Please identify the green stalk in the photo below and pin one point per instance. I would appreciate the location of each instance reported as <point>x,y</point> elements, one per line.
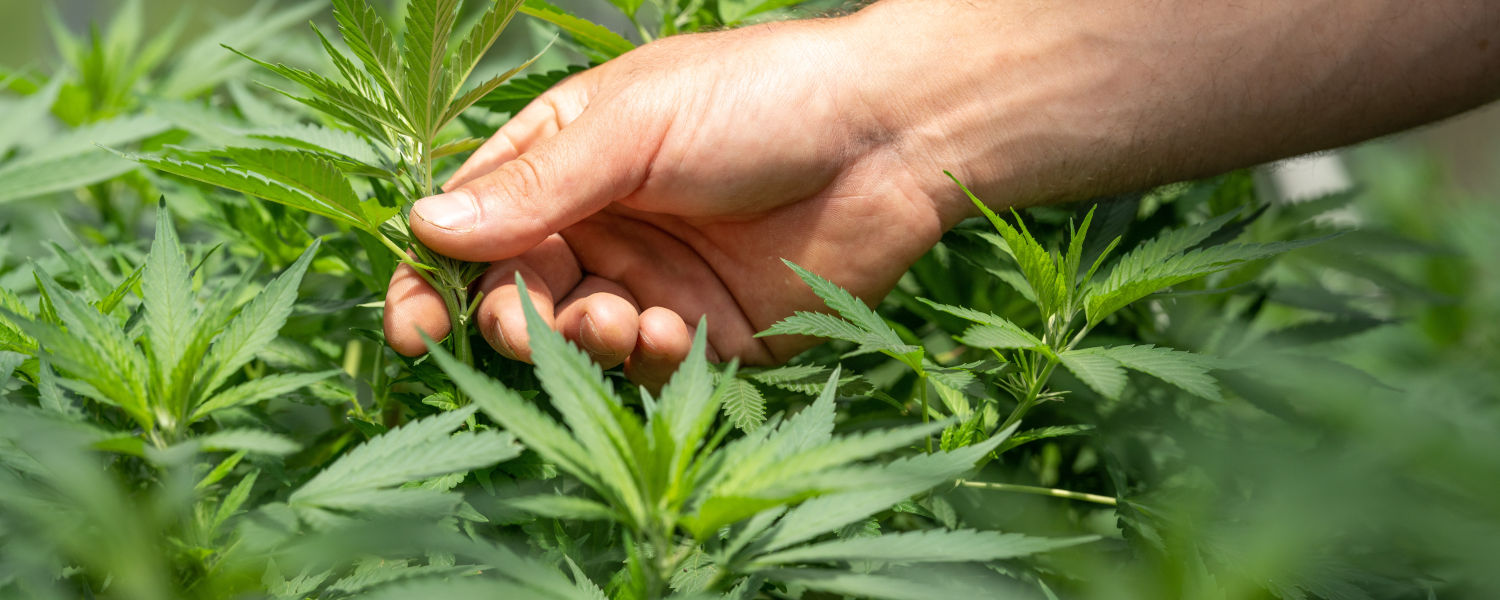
<point>1040,491</point>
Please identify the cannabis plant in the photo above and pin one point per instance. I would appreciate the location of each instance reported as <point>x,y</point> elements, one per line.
<point>393,107</point>
<point>1068,301</point>
<point>704,513</point>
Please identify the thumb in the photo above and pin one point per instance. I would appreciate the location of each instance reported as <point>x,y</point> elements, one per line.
<point>593,161</point>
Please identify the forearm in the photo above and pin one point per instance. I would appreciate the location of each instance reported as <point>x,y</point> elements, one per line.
<point>1032,102</point>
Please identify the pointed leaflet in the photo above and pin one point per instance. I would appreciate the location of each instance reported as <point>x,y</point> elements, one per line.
<point>326,91</point>
<point>462,103</point>
<point>535,428</point>
<point>1036,264</point>
<point>870,331</point>
<point>167,297</point>
<point>1183,369</point>
<point>246,182</point>
<point>94,349</point>
<point>1097,370</point>
<point>8,363</point>
<point>478,40</point>
<point>257,324</point>
<point>515,94</point>
<point>598,38</point>
<point>370,39</point>
<point>578,390</point>
<point>923,546</point>
<point>744,404</point>
<point>315,177</point>
<point>425,45</point>
<point>258,389</point>
<point>801,470</point>
<point>889,484</point>
<point>999,338</point>
<point>1162,247</point>
<point>1117,292</point>
<point>412,452</point>
<point>248,440</point>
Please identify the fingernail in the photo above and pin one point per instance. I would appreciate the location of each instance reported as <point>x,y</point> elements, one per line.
<point>588,334</point>
<point>454,211</point>
<point>501,344</point>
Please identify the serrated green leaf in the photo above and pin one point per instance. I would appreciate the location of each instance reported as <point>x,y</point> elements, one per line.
<point>23,116</point>
<point>535,428</point>
<point>307,136</point>
<point>873,489</point>
<point>168,304</point>
<point>999,338</point>
<point>463,102</point>
<point>1118,291</point>
<point>8,363</point>
<point>415,451</point>
<point>516,93</point>
<point>478,41</point>
<point>256,390</point>
<point>315,177</point>
<point>370,39</point>
<point>1037,265</point>
<point>589,406</point>
<point>424,48</point>
<point>1183,369</point>
<point>590,35</point>
<point>568,508</point>
<point>924,546</point>
<point>743,404</point>
<point>256,441</point>
<point>95,350</point>
<point>234,500</point>
<point>254,327</point>
<point>1043,433</point>
<point>29,179</point>
<point>1100,372</point>
<point>246,182</point>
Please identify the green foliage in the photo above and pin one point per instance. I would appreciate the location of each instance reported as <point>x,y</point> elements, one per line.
<point>1141,397</point>
<point>671,482</point>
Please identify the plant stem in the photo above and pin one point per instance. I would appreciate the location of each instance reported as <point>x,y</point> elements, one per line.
<point>1040,491</point>
<point>922,393</point>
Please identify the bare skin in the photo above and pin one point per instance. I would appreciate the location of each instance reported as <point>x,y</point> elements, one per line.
<point>664,186</point>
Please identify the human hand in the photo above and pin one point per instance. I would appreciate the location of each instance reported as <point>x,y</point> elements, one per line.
<point>665,186</point>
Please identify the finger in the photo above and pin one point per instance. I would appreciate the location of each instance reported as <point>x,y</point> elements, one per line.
<point>600,157</point>
<point>662,344</point>
<point>601,317</point>
<point>540,119</point>
<point>413,308</point>
<point>500,318</point>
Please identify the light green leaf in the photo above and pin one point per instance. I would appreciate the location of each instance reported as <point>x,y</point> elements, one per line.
<point>256,390</point>
<point>94,349</point>
<point>535,428</point>
<point>590,35</point>
<point>588,404</point>
<point>24,116</point>
<point>999,337</point>
<point>8,363</point>
<point>412,452</point>
<point>424,80</point>
<point>1042,433</point>
<point>1100,372</point>
<point>254,327</point>
<point>167,298</point>
<point>568,508</point>
<point>248,440</point>
<point>1119,291</point>
<point>29,179</point>
<point>1038,265</point>
<point>368,36</point>
<point>478,41</point>
<point>923,546</point>
<point>744,404</point>
<point>1183,369</point>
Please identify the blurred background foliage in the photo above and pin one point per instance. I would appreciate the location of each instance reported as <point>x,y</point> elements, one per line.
<point>1358,455</point>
